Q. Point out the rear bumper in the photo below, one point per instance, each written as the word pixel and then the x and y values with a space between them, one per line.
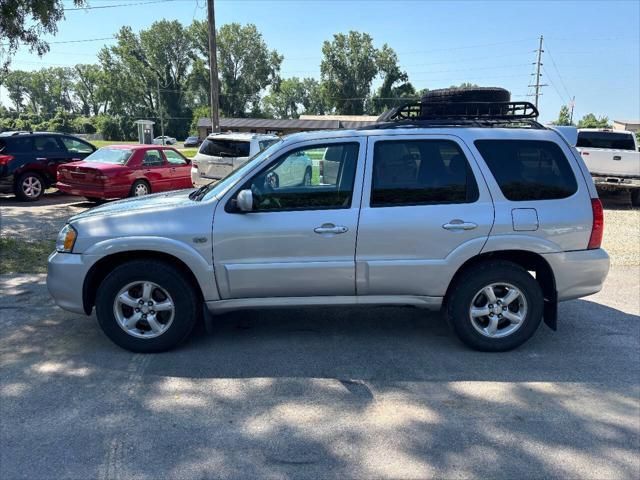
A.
pixel 579 273
pixel 65 279
pixel 615 182
pixel 92 191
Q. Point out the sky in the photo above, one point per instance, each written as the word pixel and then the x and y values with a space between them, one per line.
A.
pixel 591 48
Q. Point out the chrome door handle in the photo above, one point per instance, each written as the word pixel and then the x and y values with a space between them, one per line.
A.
pixel 459 225
pixel 331 228
pixel 40 159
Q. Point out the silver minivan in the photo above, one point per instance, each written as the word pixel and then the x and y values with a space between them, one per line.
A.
pixel 492 220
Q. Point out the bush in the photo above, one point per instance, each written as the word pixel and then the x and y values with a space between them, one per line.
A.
pixel 83 125
pixel 109 127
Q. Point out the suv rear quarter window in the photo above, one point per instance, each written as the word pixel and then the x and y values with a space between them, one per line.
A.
pixel 528 169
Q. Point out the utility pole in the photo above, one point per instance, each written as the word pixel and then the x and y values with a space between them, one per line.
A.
pixel 160 110
pixel 538 74
pixel 213 69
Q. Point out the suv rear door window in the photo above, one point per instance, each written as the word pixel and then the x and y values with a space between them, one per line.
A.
pixel 47 144
pixel 219 147
pixel 609 140
pixel 421 172
pixel 528 169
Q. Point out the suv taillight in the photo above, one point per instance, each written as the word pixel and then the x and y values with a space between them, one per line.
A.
pixel 4 159
pixel 597 228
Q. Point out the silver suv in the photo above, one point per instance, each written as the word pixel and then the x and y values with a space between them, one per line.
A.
pixel 493 222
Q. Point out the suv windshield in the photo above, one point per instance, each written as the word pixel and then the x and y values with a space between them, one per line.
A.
pixel 608 140
pixel 117 156
pixel 220 147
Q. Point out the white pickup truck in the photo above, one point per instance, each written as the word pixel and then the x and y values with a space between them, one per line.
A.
pixel 613 159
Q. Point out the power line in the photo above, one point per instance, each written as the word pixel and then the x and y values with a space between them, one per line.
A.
pixel 553 62
pixel 76 9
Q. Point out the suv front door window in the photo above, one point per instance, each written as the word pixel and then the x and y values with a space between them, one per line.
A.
pixel 300 239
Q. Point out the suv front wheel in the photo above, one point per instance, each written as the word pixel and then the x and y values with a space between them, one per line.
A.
pixel 146 306
pixel 495 306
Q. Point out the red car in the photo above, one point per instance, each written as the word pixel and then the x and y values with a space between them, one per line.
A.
pixel 119 171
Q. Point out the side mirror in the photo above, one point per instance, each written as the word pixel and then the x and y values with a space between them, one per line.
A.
pixel 244 200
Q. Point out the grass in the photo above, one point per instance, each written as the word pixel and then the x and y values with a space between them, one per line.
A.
pixel 187 152
pixel 20 256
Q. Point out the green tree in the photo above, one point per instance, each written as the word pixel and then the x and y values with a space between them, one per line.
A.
pixel 348 67
pixel 24 22
pixel 315 100
pixel 395 88
pixel 89 87
pixel 156 59
pixel 245 65
pixel 285 100
pixel 564 117
pixel 17 85
pixel 591 121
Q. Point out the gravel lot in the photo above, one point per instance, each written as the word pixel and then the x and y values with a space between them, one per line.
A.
pixel 322 393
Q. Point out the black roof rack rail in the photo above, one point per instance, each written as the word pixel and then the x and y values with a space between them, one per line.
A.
pixel 447 123
pixel 482 114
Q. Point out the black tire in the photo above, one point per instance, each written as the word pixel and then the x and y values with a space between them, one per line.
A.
pixel 185 299
pixel 29 194
pixel 474 94
pixel 470 282
pixel 136 185
pixel 635 197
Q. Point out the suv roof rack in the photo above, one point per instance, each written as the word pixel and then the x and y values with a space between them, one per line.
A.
pixel 460 114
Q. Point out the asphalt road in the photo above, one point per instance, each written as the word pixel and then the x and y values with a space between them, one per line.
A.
pixel 322 393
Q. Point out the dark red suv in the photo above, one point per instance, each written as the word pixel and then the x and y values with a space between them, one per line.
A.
pixel 28 161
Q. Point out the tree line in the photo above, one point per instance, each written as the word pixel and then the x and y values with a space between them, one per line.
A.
pixel 165 69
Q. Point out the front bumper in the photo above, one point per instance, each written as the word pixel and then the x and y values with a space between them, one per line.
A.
pixel 578 273
pixel 66 273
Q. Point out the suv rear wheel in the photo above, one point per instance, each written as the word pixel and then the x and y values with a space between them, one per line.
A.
pixel 635 197
pixel 495 306
pixel 29 187
pixel 146 306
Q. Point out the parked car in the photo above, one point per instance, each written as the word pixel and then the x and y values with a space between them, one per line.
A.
pixel 120 171
pixel 613 159
pixel 28 161
pixel 494 226
pixel 164 140
pixel 192 142
pixel 221 153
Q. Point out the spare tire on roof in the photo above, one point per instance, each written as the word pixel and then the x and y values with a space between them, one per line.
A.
pixel 471 94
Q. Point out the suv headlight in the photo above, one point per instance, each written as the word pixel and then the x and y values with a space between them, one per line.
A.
pixel 66 239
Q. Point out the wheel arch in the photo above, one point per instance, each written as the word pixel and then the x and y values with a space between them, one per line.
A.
pixel 98 272
pixel 530 261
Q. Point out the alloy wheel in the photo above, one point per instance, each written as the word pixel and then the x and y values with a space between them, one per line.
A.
pixel 498 310
pixel 144 309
